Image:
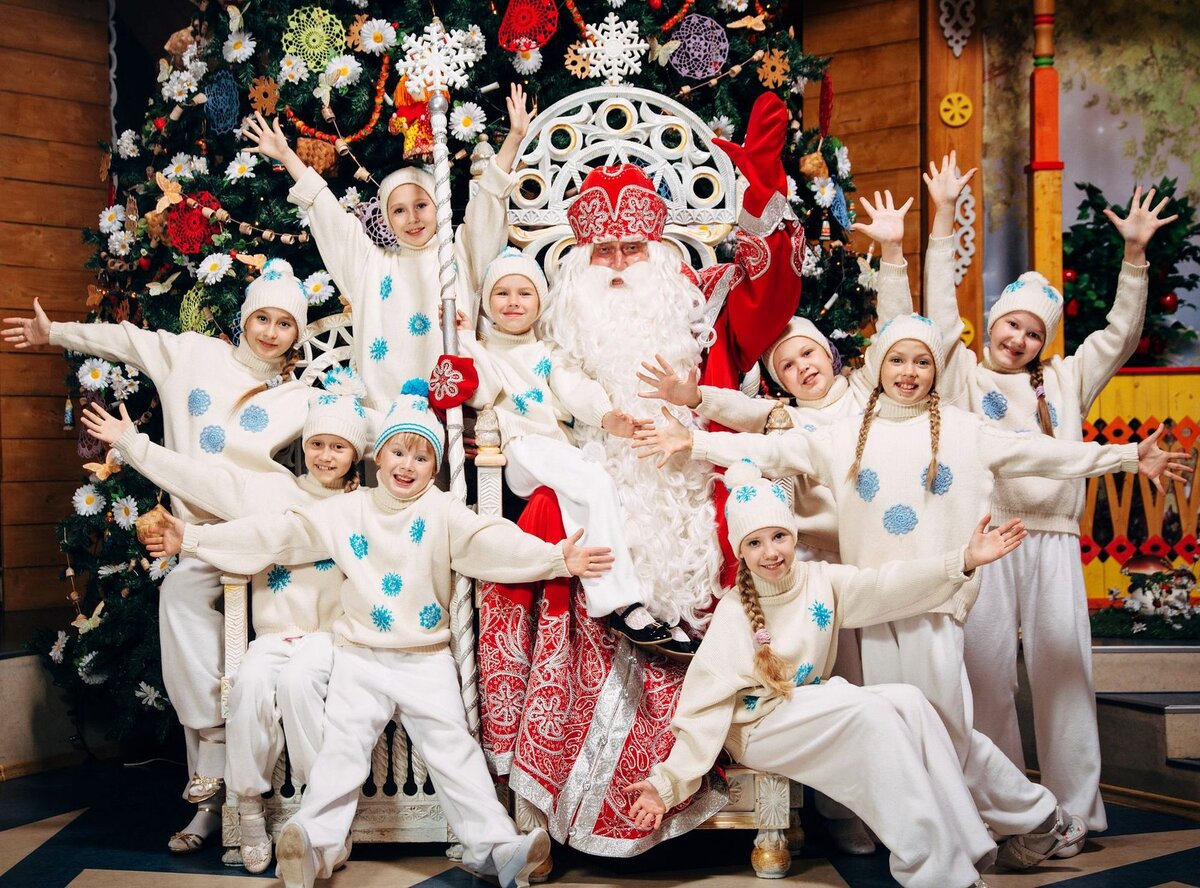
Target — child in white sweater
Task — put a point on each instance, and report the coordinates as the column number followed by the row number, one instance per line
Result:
column 760, row 686
column 394, row 293
column 222, row 405
column 1039, row 595
column 897, row 490
column 539, row 397
column 285, row 672
column 397, row 544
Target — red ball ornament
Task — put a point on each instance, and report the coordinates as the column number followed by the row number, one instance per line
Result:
column 1169, row 302
column 656, row 5
column 1143, row 345
column 143, row 262
column 1070, row 275
column 1072, row 308
column 160, row 122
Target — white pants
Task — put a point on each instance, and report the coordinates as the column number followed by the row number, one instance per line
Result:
column 587, row 497
column 926, row 651
column 280, row 678
column 366, row 689
column 881, row 751
column 1039, row 590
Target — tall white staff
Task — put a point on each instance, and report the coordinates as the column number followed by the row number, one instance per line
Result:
column 434, row 61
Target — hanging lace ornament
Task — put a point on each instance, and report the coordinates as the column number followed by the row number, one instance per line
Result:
column 375, row 225
column 189, row 231
column 191, row 311
column 840, row 211
column 222, row 105
column 528, row 24
column 703, row 47
column 87, row 445
column 613, row 49
column 314, row 34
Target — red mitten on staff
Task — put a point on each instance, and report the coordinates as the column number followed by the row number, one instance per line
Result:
column 760, row 156
column 452, row 382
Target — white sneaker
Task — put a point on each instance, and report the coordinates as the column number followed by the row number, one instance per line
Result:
column 297, row 864
column 1076, row 835
column 1023, row 852
column 515, row 861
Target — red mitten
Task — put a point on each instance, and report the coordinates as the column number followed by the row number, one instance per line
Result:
column 452, row 381
column 760, row 156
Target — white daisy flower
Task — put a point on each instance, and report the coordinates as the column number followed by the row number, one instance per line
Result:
column 149, row 695
column 293, row 69
column 179, row 86
column 119, row 242
column 825, row 191
column 467, row 121
column 302, row 217
column 125, row 512
column 84, row 668
column 721, row 127
column 361, row 4
column 179, row 167
column 733, row 5
column 616, row 4
column 87, row 500
column 60, row 644
column 161, row 567
column 318, row 287
column 842, row 156
column 127, row 146
column 793, row 192
column 198, row 165
column 241, row 167
column 214, row 266
column 799, row 84
column 527, row 61
column 108, row 570
column 112, row 219
column 94, row 374
column 123, row 387
column 351, row 199
column 343, row 70
column 812, row 263
column 377, row 36
column 238, row 47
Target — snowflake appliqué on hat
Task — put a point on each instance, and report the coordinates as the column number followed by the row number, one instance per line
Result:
column 745, row 493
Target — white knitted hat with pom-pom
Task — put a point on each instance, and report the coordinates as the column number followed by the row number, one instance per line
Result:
column 411, row 413
column 1030, row 292
column 754, row 503
column 277, row 287
column 339, row 411
column 513, row 261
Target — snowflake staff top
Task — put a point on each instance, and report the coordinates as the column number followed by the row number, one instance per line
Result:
column 437, row 59
column 613, row 49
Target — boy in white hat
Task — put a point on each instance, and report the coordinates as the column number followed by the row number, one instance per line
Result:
column 394, row 293
column 397, row 544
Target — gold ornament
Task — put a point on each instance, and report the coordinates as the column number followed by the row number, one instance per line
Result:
column 577, row 63
column 319, row 155
column 773, row 69
column 264, row 94
column 955, row 109
column 152, row 522
column 813, row 166
column 354, row 32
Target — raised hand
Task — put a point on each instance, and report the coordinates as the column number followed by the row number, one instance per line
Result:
column 270, row 142
column 668, row 386
column 1140, row 225
column 587, row 562
column 647, row 809
column 519, row 117
column 102, row 424
column 1156, row 463
column 169, row 541
column 986, row 547
column 664, row 441
column 886, row 226
column 28, row 331
column 945, row 184
column 623, row 425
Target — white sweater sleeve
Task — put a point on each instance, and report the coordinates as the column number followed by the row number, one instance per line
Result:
column 897, row 589
column 344, row 245
column 583, row 397
column 795, row 452
column 733, row 409
column 492, row 548
column 491, row 382
column 893, row 297
column 941, row 305
column 484, row 231
column 1014, row 455
column 151, row 352
column 250, row 544
column 1102, row 354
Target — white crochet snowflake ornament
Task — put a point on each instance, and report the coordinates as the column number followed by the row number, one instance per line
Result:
column 438, row 59
column 614, row 49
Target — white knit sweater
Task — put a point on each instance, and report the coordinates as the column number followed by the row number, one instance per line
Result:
column 394, row 294
column 199, row 380
column 722, row 700
column 397, row 556
column 534, row 390
column 886, row 512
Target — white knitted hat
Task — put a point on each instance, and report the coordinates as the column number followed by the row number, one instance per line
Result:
column 339, row 411
column 754, row 503
column 277, row 287
column 1030, row 292
column 413, row 175
column 909, row 326
column 796, row 327
column 411, row 413
column 513, row 261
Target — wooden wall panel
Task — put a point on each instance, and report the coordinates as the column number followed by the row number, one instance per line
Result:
column 53, row 111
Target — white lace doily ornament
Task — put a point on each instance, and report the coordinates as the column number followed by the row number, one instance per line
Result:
column 614, row 49
column 438, row 59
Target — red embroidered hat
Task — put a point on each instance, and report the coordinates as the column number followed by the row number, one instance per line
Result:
column 617, row 203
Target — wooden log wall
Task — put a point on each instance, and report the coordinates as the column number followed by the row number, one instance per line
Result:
column 54, row 109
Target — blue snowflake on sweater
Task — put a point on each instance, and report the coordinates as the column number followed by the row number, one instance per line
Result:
column 278, row 578
column 212, row 439
column 542, row 368
column 779, row 492
column 1053, row 415
column 941, row 481
column 382, row 618
column 416, row 532
column 324, row 564
column 809, row 427
column 254, row 418
column 994, row 405
column 385, row 287
column 379, row 349
column 821, row 615
column 745, row 493
column 358, row 545
column 750, row 701
column 868, row 485
column 326, row 399
column 429, row 616
column 418, row 324
column 392, row 584
column 198, row 401
column 803, row 673
column 338, row 376
column 899, row 520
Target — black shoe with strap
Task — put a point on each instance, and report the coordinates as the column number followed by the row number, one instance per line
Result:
column 653, row 634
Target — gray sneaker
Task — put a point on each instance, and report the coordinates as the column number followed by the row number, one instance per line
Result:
column 516, row 860
column 1023, row 852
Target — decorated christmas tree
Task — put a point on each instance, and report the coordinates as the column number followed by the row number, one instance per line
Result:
column 193, row 214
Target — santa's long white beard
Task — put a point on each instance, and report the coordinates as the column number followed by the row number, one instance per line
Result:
column 609, row 331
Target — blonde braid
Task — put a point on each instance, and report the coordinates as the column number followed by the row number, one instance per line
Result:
column 935, row 433
column 868, row 416
column 1043, row 407
column 350, row 484
column 771, row 669
column 289, row 364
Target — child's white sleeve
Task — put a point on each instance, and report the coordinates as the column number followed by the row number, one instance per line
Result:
column 581, row 396
column 1104, row 352
column 152, row 352
column 1015, row 455
column 491, row 381
column 893, row 296
column 794, row 452
column 491, row 548
column 250, row 544
column 344, row 245
column 484, row 231
column 941, row 303
column 895, row 590
column 733, row 409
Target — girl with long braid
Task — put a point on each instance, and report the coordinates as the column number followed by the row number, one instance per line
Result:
column 760, row 686
column 898, row 490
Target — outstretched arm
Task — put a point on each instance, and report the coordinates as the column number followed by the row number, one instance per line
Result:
column 269, row 141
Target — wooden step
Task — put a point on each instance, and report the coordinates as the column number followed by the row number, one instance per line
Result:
column 1147, row 740
column 1130, row 666
column 1179, row 713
